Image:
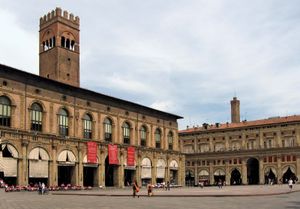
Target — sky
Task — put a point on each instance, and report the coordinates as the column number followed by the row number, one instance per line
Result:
column 186, row 57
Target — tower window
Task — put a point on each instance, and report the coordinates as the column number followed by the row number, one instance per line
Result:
column 73, row 45
column 63, row 42
column 68, row 44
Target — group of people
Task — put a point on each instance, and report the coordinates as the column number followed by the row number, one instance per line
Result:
column 136, row 189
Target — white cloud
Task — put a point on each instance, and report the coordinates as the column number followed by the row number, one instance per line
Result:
column 187, row 57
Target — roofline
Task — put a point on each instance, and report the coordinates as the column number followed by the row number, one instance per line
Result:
column 50, row 84
column 215, row 129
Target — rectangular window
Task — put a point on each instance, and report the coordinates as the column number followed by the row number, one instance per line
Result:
column 270, row 159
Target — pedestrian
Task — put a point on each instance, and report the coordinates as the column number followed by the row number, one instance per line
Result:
column 135, row 189
column 290, row 183
column 43, row 188
column 40, row 188
column 149, row 190
column 168, row 185
column 220, row 184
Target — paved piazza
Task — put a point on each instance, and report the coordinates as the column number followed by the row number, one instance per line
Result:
column 187, row 198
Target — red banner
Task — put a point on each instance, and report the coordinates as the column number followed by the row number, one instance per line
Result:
column 113, row 154
column 130, row 156
column 92, row 152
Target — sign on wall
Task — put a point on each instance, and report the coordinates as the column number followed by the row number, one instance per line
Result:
column 130, row 156
column 91, row 152
column 113, row 154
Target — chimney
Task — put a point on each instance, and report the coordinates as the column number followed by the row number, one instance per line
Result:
column 235, row 110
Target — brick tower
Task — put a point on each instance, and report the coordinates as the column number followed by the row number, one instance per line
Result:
column 59, row 47
column 235, row 110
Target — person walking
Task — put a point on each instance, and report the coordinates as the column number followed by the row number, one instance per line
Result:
column 149, row 190
column 290, row 183
column 168, row 185
column 135, row 189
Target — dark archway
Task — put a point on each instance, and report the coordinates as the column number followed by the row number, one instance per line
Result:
column 289, row 175
column 253, row 171
column 270, row 177
column 235, row 177
column 109, row 174
column 189, row 178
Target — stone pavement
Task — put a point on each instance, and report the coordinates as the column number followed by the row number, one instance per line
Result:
column 253, row 190
column 212, row 198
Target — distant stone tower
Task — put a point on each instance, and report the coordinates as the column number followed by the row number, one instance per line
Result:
column 235, row 110
column 59, row 47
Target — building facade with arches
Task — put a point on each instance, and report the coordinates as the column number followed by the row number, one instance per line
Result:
column 47, row 122
column 243, row 152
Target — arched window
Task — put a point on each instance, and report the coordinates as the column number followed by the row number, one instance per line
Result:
column 143, row 136
column 126, row 133
column 53, row 41
column 68, row 43
column 170, row 140
column 36, row 117
column 87, row 126
column 5, row 111
column 107, row 130
column 63, row 42
column 72, row 45
column 157, row 138
column 63, row 118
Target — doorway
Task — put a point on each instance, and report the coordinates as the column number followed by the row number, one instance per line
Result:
column 253, row 171
column 65, row 174
column 235, row 177
column 89, row 174
column 128, row 177
column 109, row 174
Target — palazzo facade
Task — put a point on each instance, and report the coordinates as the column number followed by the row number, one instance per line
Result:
column 242, row 152
column 47, row 121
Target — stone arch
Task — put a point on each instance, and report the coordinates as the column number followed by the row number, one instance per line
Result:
column 85, row 161
column 235, row 176
column 69, row 35
column 47, row 34
column 66, row 156
column 11, row 149
column 66, row 108
column 38, row 163
column 88, row 113
column 270, row 174
column 12, row 101
column 38, row 153
column 38, row 102
column 146, row 164
column 173, row 164
column 9, row 162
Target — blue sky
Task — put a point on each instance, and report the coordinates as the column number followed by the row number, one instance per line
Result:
column 185, row 57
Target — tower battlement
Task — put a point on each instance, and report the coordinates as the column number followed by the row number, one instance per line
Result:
column 58, row 13
column 60, row 47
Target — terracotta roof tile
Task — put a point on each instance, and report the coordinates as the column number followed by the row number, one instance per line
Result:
column 243, row 124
